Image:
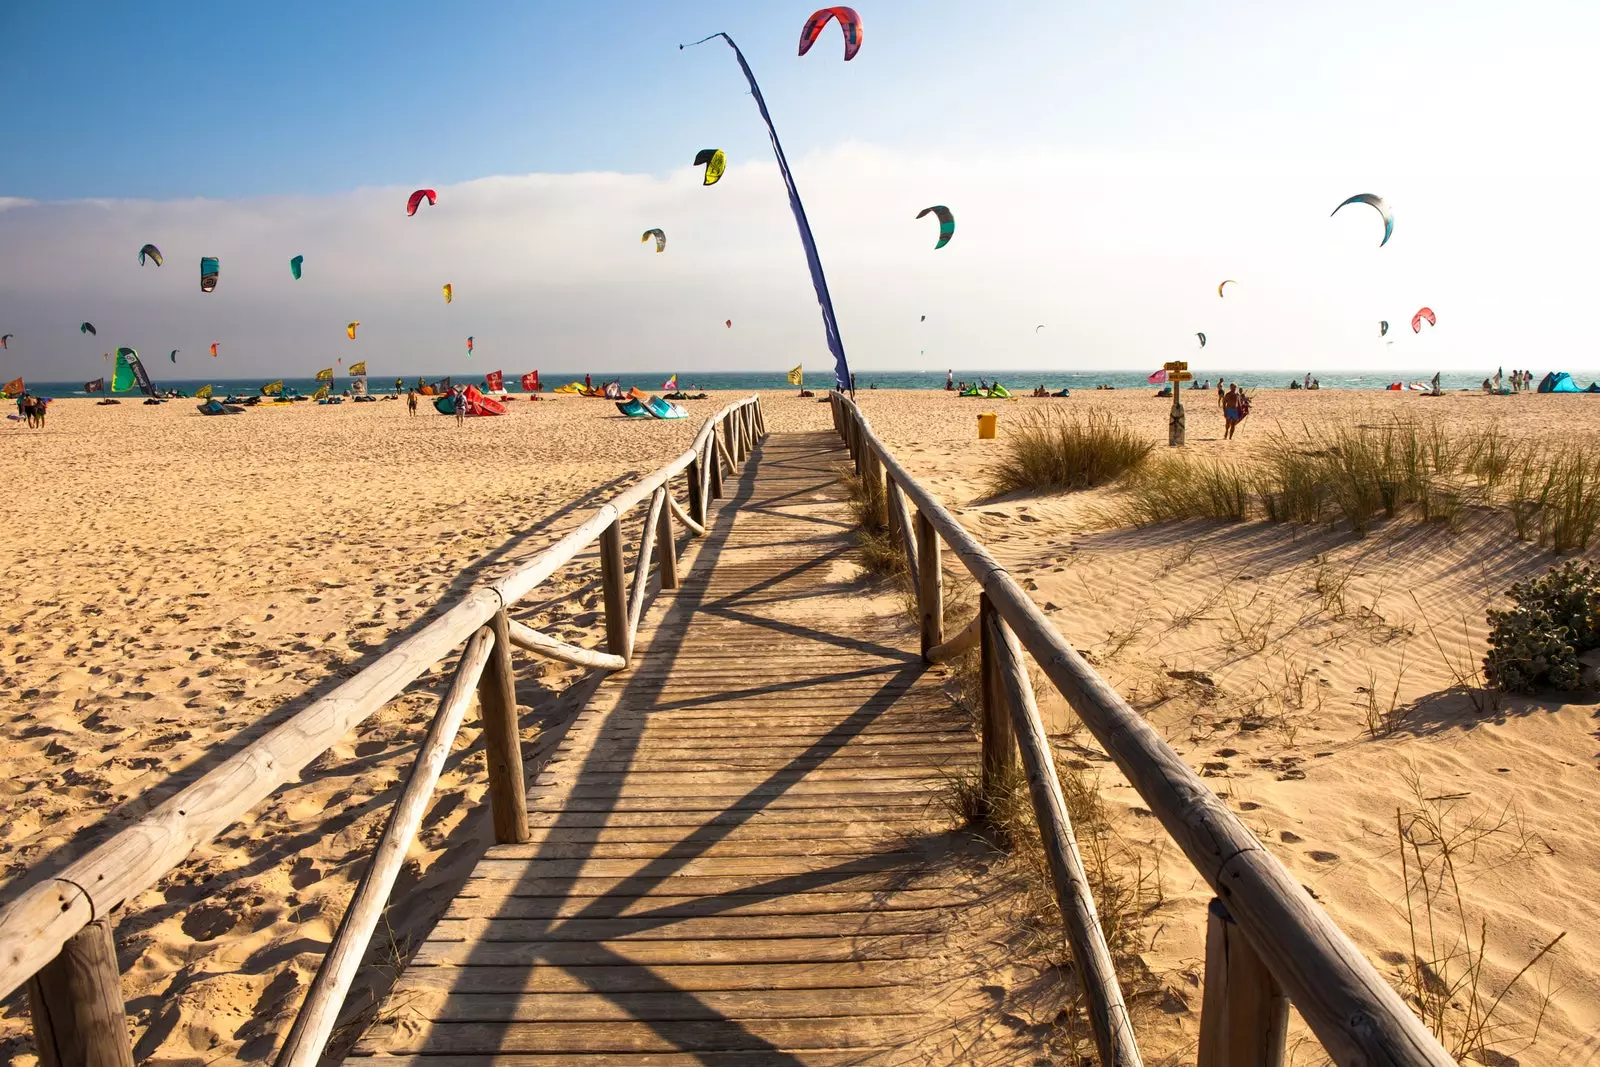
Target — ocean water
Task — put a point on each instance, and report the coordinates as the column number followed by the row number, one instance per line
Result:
column 1017, row 381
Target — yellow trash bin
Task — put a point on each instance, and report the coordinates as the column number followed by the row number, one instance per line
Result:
column 986, row 424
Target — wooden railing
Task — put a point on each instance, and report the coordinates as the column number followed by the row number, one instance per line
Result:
column 1267, row 943
column 56, row 936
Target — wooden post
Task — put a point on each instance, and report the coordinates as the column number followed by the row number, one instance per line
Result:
column 715, row 457
column 502, row 738
column 1244, row 1017
column 1091, row 957
column 732, row 439
column 308, row 1036
column 613, row 581
column 697, row 503
column 76, row 1004
column 999, row 743
column 667, row 549
column 930, row 585
column 891, row 514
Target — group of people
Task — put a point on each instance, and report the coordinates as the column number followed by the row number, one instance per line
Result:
column 1520, row 380
column 31, row 409
column 1309, row 383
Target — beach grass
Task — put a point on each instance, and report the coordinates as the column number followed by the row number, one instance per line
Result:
column 1357, row 475
column 1053, row 452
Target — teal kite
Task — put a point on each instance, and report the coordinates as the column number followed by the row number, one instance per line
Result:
column 947, row 223
column 152, row 251
column 1374, row 201
column 208, row 273
column 294, row 266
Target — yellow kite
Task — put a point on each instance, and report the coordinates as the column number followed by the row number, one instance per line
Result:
column 449, row 293
column 350, row 329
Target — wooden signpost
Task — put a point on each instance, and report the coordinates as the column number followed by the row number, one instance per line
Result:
column 1177, row 374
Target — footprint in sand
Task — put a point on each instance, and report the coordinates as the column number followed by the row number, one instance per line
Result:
column 1323, row 857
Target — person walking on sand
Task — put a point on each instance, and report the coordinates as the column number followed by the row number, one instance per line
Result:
column 1221, row 403
column 460, row 397
column 950, row 380
column 1233, row 410
column 411, row 401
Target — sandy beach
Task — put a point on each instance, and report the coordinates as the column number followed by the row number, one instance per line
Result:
column 178, row 583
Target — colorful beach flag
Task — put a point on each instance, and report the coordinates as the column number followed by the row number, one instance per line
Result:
column 96, row 386
column 325, row 374
column 495, row 381
column 1158, row 377
column 14, row 387
column 530, row 381
column 796, row 376
column 358, row 368
column 320, row 394
column 272, row 388
column 203, row 393
column 670, row 384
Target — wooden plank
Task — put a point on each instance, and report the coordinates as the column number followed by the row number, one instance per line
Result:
column 672, row 929
column 507, row 905
column 625, row 1037
column 690, row 978
column 770, row 1057
column 851, row 878
column 650, row 953
column 767, row 867
column 674, row 1005
column 731, row 846
column 784, row 819
column 807, row 800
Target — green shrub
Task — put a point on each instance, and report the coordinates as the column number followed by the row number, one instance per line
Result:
column 1535, row 643
column 1055, row 452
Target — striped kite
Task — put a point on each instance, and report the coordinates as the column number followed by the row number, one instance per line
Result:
column 152, row 251
column 947, row 223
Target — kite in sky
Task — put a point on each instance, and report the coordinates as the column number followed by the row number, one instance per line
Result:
column 819, row 281
column 449, row 293
column 1423, row 315
column 214, row 346
column 849, row 22
column 1202, row 339
column 209, row 269
column 415, row 200
column 153, row 252
column 714, row 161
column 469, row 346
column 1039, row 327
column 1375, row 201
column 86, row 327
column 729, row 324
column 659, row 235
column 350, row 329
column 174, row 356
column 1383, row 328
column 947, row 223
column 5, row 339
column 294, row 266
column 1229, row 281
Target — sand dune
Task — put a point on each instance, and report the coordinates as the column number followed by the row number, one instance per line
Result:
column 1261, row 652
column 178, row 583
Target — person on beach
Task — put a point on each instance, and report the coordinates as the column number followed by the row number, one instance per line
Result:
column 950, row 380
column 1221, row 403
column 1232, row 410
column 459, row 395
column 411, row 401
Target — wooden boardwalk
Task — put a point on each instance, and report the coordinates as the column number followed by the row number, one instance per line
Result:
column 738, row 855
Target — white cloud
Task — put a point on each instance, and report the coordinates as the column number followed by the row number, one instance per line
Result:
column 1118, row 256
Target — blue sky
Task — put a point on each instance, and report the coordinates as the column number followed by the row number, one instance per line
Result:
column 1135, row 150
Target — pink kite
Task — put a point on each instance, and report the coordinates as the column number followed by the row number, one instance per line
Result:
column 1419, row 317
column 416, row 200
